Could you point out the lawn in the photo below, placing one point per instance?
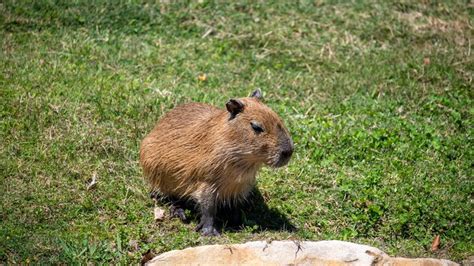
(377, 95)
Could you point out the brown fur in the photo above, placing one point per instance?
(197, 149)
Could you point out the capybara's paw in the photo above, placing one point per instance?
(178, 213)
(206, 230)
(209, 231)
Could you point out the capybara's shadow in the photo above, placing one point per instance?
(254, 213)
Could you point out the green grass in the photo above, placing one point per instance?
(377, 95)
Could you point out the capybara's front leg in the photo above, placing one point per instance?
(208, 214)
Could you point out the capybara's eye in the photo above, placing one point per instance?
(256, 127)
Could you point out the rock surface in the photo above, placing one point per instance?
(288, 252)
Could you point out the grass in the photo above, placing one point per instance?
(377, 95)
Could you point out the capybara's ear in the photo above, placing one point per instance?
(257, 94)
(234, 107)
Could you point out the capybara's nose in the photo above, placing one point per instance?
(286, 153)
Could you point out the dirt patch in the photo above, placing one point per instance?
(421, 23)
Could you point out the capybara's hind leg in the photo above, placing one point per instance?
(155, 195)
(177, 207)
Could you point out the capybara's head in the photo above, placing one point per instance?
(257, 133)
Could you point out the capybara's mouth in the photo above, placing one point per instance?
(281, 161)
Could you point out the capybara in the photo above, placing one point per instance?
(211, 155)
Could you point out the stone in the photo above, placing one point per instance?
(288, 253)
